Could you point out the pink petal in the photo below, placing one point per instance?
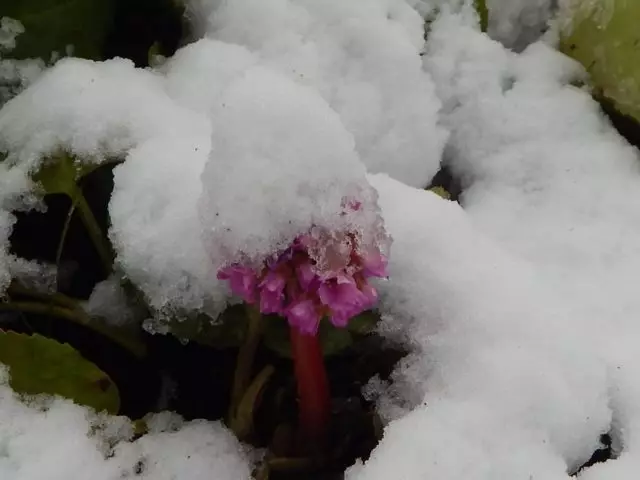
(242, 280)
(271, 302)
(305, 275)
(303, 315)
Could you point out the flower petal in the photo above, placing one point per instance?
(303, 315)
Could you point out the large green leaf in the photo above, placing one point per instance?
(603, 35)
(53, 25)
(40, 365)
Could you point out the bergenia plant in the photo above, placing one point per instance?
(322, 274)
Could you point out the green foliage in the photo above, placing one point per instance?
(60, 174)
(40, 365)
(441, 192)
(230, 330)
(53, 25)
(603, 36)
(227, 331)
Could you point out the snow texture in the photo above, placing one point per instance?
(53, 439)
(362, 57)
(518, 23)
(110, 303)
(522, 307)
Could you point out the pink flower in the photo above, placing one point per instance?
(272, 292)
(321, 274)
(242, 280)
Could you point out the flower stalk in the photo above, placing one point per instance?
(314, 400)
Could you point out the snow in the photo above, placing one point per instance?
(517, 23)
(358, 71)
(302, 162)
(109, 302)
(521, 307)
(490, 388)
(57, 440)
(362, 58)
(518, 306)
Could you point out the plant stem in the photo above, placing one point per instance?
(314, 401)
(244, 363)
(65, 231)
(242, 422)
(483, 13)
(54, 298)
(92, 226)
(131, 344)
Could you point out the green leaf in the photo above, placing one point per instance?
(603, 36)
(276, 337)
(242, 421)
(61, 174)
(227, 331)
(364, 323)
(230, 329)
(441, 192)
(40, 365)
(53, 25)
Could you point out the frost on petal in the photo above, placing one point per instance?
(305, 275)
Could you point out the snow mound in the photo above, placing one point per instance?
(281, 162)
(494, 386)
(362, 57)
(521, 308)
(53, 439)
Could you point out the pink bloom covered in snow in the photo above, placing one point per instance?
(321, 274)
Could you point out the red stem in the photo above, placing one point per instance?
(313, 387)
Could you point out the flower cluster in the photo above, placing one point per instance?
(321, 274)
